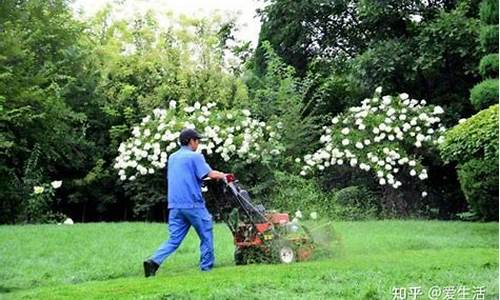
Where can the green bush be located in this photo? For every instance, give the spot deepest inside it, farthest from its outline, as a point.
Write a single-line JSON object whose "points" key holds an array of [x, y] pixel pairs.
{"points": [[353, 195], [474, 145], [355, 203], [484, 94], [488, 11], [476, 137], [488, 67], [479, 182], [488, 38], [293, 192], [38, 209]]}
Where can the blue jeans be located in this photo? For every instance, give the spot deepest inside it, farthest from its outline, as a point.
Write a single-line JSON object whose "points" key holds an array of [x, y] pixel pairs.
{"points": [[179, 222]]}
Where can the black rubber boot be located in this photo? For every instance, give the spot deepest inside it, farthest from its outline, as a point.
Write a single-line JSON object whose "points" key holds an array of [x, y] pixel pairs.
{"points": [[150, 268]]}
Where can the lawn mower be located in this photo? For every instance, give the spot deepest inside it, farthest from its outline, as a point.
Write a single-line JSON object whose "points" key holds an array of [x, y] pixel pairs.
{"points": [[259, 235]]}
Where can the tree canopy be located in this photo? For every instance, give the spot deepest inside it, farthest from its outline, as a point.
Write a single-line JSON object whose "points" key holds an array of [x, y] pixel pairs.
{"points": [[72, 91]]}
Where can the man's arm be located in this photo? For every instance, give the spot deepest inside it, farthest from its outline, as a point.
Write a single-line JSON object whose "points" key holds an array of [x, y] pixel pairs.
{"points": [[216, 175], [203, 170]]}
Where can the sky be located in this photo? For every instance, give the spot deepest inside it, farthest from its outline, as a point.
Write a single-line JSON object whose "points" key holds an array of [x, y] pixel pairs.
{"points": [[247, 22]]}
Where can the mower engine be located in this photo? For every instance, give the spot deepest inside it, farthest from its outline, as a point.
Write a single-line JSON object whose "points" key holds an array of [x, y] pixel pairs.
{"points": [[259, 235]]}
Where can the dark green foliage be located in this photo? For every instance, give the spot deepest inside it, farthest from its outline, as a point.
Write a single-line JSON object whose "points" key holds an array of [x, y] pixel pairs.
{"points": [[281, 98], [445, 42], [488, 66], [44, 78], [446, 66], [356, 203], [40, 208], [147, 195], [489, 38], [359, 45], [299, 31], [375, 68], [488, 12], [335, 93], [484, 94], [303, 31], [479, 181]]}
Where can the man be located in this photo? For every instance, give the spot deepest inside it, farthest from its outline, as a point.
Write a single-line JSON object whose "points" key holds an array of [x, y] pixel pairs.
{"points": [[185, 173]]}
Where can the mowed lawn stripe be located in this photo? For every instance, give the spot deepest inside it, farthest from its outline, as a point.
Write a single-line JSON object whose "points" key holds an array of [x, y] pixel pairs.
{"points": [[368, 258], [355, 276]]}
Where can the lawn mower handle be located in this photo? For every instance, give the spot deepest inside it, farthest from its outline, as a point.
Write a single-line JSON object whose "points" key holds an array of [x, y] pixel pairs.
{"points": [[239, 198]]}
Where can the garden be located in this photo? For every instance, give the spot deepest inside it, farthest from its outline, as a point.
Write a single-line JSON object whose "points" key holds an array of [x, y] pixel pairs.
{"points": [[377, 121]]}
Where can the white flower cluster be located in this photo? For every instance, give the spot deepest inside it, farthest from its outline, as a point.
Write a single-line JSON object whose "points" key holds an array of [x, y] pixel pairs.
{"points": [[379, 136], [298, 215], [230, 134], [40, 189], [56, 184]]}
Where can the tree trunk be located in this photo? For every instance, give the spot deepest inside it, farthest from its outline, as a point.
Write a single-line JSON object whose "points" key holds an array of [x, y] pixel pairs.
{"points": [[84, 211]]}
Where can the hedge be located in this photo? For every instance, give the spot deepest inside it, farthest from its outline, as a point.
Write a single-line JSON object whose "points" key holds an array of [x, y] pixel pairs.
{"points": [[488, 11], [484, 94], [479, 182], [476, 137], [488, 37], [488, 67]]}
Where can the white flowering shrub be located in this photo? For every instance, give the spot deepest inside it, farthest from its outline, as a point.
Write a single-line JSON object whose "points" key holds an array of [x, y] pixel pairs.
{"points": [[380, 136], [39, 205], [230, 134]]}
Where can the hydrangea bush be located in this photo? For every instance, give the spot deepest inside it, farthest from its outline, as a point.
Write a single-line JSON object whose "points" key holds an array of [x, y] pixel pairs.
{"points": [[229, 134], [382, 136]]}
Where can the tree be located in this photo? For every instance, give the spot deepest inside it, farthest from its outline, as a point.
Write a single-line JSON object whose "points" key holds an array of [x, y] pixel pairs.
{"points": [[303, 31], [418, 46], [485, 93], [145, 67], [43, 82]]}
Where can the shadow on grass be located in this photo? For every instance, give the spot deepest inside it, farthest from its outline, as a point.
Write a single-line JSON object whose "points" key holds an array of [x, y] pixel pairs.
{"points": [[176, 296], [6, 289]]}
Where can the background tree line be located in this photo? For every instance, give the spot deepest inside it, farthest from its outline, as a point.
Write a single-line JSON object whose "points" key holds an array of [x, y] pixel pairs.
{"points": [[71, 90]]}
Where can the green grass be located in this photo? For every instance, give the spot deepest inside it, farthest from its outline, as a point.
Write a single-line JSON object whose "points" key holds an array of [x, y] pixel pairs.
{"points": [[104, 261]]}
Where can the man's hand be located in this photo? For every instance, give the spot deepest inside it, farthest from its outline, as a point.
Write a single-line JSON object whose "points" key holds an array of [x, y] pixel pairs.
{"points": [[217, 175]]}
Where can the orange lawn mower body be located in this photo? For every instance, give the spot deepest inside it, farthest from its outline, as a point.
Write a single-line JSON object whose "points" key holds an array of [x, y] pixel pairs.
{"points": [[259, 235]]}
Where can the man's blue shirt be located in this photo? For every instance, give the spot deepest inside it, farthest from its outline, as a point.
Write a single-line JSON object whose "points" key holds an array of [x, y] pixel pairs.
{"points": [[185, 172]]}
